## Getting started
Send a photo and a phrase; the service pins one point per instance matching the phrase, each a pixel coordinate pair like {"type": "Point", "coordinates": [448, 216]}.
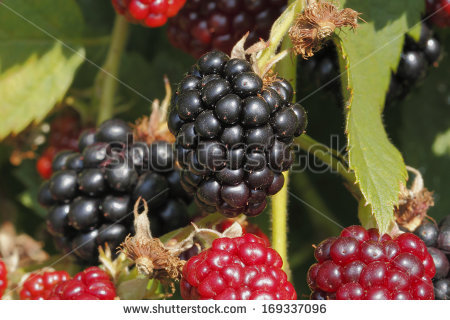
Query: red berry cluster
{"type": "Point", "coordinates": [64, 132]}
{"type": "Point", "coordinates": [361, 265]}
{"type": "Point", "coordinates": [242, 268]}
{"type": "Point", "coordinates": [3, 278]}
{"type": "Point", "coordinates": [39, 285]}
{"type": "Point", "coordinates": [439, 12]}
{"type": "Point", "coordinates": [204, 25]}
{"type": "Point", "coordinates": [90, 284]}
{"type": "Point", "coordinates": [247, 227]}
{"type": "Point", "coordinates": [150, 13]}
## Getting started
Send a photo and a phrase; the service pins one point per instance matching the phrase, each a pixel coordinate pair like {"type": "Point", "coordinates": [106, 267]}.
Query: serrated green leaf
{"type": "Point", "coordinates": [38, 58]}
{"type": "Point", "coordinates": [368, 56]}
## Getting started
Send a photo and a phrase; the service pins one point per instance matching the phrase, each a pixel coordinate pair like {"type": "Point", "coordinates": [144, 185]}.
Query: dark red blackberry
{"type": "Point", "coordinates": [439, 12]}
{"type": "Point", "coordinates": [233, 135]}
{"type": "Point", "coordinates": [361, 265]}
{"type": "Point", "coordinates": [91, 195]}
{"type": "Point", "coordinates": [204, 25]}
{"type": "Point", "coordinates": [3, 278]}
{"type": "Point", "coordinates": [437, 239]}
{"type": "Point", "coordinates": [64, 131]}
{"type": "Point", "coordinates": [150, 13]}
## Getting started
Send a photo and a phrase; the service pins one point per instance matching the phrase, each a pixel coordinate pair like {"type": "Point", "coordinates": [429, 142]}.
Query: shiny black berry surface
{"type": "Point", "coordinates": [233, 134]}
{"type": "Point", "coordinates": [437, 239]}
{"type": "Point", "coordinates": [90, 196]}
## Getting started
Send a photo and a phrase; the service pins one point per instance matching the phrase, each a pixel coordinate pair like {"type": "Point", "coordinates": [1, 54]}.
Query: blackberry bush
{"type": "Point", "coordinates": [91, 194]}
{"type": "Point", "coordinates": [150, 13]}
{"type": "Point", "coordinates": [437, 239]}
{"type": "Point", "coordinates": [242, 268]}
{"type": "Point", "coordinates": [362, 265]}
{"type": "Point", "coordinates": [204, 25]}
{"type": "Point", "coordinates": [234, 134]}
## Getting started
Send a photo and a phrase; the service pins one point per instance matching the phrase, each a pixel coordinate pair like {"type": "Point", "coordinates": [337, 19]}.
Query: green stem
{"type": "Point", "coordinates": [279, 30]}
{"type": "Point", "coordinates": [108, 76]}
{"type": "Point", "coordinates": [327, 156]}
{"type": "Point", "coordinates": [287, 68]}
{"type": "Point", "coordinates": [279, 222]}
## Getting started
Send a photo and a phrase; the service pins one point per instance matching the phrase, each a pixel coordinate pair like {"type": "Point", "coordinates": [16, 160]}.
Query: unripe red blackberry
{"type": "Point", "coordinates": [233, 135]}
{"type": "Point", "coordinates": [92, 192]}
{"type": "Point", "coordinates": [90, 284]}
{"type": "Point", "coordinates": [362, 265]}
{"type": "Point", "coordinates": [204, 25]}
{"type": "Point", "coordinates": [65, 129]}
{"type": "Point", "coordinates": [242, 268]}
{"type": "Point", "coordinates": [3, 278]}
{"type": "Point", "coordinates": [150, 13]}
{"type": "Point", "coordinates": [39, 285]}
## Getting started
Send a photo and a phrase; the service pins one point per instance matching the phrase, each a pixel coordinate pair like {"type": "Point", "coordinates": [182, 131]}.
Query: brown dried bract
{"type": "Point", "coordinates": [149, 254]}
{"type": "Point", "coordinates": [19, 250]}
{"type": "Point", "coordinates": [413, 203]}
{"type": "Point", "coordinates": [154, 128]}
{"type": "Point", "coordinates": [318, 21]}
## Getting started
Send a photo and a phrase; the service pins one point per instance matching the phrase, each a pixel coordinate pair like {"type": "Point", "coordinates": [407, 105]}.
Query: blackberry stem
{"type": "Point", "coordinates": [330, 157]}
{"type": "Point", "coordinates": [107, 79]}
{"type": "Point", "coordinates": [286, 68]}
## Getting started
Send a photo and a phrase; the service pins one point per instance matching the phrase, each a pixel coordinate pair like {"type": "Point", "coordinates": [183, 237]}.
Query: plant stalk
{"type": "Point", "coordinates": [332, 159]}
{"type": "Point", "coordinates": [286, 68]}
{"type": "Point", "coordinates": [108, 80]}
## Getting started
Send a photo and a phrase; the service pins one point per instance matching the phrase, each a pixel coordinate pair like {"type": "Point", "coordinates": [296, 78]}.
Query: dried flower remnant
{"type": "Point", "coordinates": [317, 22]}
{"type": "Point", "coordinates": [149, 254]}
{"type": "Point", "coordinates": [154, 128]}
{"type": "Point", "coordinates": [413, 203]}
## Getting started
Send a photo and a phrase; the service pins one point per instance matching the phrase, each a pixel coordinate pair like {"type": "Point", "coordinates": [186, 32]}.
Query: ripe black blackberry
{"type": "Point", "coordinates": [233, 135]}
{"type": "Point", "coordinates": [91, 194]}
{"type": "Point", "coordinates": [414, 62]}
{"type": "Point", "coordinates": [204, 25]}
{"type": "Point", "coordinates": [437, 239]}
{"type": "Point", "coordinates": [322, 70]}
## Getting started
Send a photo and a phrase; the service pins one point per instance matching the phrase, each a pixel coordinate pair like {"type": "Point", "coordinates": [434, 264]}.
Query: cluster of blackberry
{"type": "Point", "coordinates": [361, 264]}
{"type": "Point", "coordinates": [204, 25]}
{"type": "Point", "coordinates": [234, 135]}
{"type": "Point", "coordinates": [91, 194]}
{"type": "Point", "coordinates": [322, 70]}
{"type": "Point", "coordinates": [414, 62]}
{"type": "Point", "coordinates": [437, 240]}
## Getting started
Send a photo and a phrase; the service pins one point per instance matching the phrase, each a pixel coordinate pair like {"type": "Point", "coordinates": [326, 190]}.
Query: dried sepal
{"type": "Point", "coordinates": [154, 127]}
{"type": "Point", "coordinates": [149, 254]}
{"type": "Point", "coordinates": [114, 266]}
{"type": "Point", "coordinates": [318, 21]}
{"type": "Point", "coordinates": [413, 203]}
{"type": "Point", "coordinates": [21, 250]}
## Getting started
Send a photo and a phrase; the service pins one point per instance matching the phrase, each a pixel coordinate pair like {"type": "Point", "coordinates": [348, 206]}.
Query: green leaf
{"type": "Point", "coordinates": [38, 58]}
{"type": "Point", "coordinates": [367, 57]}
